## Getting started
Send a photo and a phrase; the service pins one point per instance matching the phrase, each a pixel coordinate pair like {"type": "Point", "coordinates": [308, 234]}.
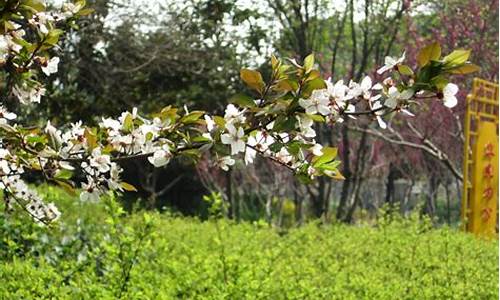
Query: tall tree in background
{"type": "Point", "coordinates": [436, 134]}
{"type": "Point", "coordinates": [182, 56]}
{"type": "Point", "coordinates": [348, 37]}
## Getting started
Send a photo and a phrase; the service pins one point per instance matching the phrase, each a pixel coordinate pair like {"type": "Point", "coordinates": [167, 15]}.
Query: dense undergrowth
{"type": "Point", "coordinates": [98, 252]}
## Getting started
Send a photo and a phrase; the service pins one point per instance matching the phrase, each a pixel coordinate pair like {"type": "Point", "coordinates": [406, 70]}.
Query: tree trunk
{"type": "Point", "coordinates": [346, 171]}
{"type": "Point", "coordinates": [229, 193]}
{"type": "Point", "coordinates": [389, 188]}
{"type": "Point", "coordinates": [298, 205]}
{"type": "Point", "coordinates": [430, 206]}
{"type": "Point", "coordinates": [404, 205]}
{"type": "Point", "coordinates": [358, 176]}
{"type": "Point", "coordinates": [448, 202]}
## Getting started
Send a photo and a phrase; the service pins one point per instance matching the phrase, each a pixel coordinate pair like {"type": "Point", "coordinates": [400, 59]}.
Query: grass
{"type": "Point", "coordinates": [98, 252]}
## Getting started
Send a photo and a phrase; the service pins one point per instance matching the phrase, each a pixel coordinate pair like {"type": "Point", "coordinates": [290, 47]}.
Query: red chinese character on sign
{"type": "Point", "coordinates": [488, 193]}
{"type": "Point", "coordinates": [486, 214]}
{"type": "Point", "coordinates": [488, 171]}
{"type": "Point", "coordinates": [489, 150]}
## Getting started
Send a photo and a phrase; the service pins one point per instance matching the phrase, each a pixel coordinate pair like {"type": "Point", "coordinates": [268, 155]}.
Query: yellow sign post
{"type": "Point", "coordinates": [480, 196]}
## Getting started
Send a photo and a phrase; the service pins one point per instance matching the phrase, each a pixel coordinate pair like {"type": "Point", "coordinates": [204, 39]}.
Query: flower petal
{"type": "Point", "coordinates": [450, 101]}
{"type": "Point", "coordinates": [450, 89]}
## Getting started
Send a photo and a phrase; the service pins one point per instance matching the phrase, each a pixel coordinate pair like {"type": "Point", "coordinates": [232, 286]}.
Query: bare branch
{"type": "Point", "coordinates": [427, 146]}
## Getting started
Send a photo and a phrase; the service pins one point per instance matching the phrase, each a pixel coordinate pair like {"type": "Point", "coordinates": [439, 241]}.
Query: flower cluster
{"type": "Point", "coordinates": [28, 30]}
{"type": "Point", "coordinates": [278, 122]}
{"type": "Point", "coordinates": [17, 191]}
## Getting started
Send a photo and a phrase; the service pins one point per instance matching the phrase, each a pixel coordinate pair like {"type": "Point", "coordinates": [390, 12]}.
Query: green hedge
{"type": "Point", "coordinates": [105, 254]}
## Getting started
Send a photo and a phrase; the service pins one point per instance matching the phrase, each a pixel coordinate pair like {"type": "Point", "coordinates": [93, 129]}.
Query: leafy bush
{"type": "Point", "coordinates": [98, 252]}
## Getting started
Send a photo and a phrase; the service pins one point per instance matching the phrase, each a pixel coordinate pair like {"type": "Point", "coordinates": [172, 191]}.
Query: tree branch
{"type": "Point", "coordinates": [427, 146]}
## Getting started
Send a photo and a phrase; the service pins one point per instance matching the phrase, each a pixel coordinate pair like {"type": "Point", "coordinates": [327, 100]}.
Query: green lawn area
{"type": "Point", "coordinates": [96, 252]}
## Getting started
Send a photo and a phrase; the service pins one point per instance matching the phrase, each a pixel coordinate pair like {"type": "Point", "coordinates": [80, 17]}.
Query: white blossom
{"type": "Point", "coordinates": [233, 115]}
{"type": "Point", "coordinates": [41, 20]}
{"type": "Point", "coordinates": [284, 156]}
{"type": "Point", "coordinates": [390, 63]}
{"type": "Point", "coordinates": [6, 116]}
{"type": "Point", "coordinates": [364, 88]}
{"type": "Point", "coordinates": [339, 92]}
{"type": "Point", "coordinates": [394, 96]}
{"type": "Point", "coordinates": [250, 154]}
{"type": "Point", "coordinates": [378, 112]}
{"type": "Point", "coordinates": [110, 123]}
{"type": "Point", "coordinates": [317, 149]}
{"type": "Point", "coordinates": [317, 103]}
{"type": "Point", "coordinates": [35, 209]}
{"type": "Point", "coordinates": [258, 142]}
{"type": "Point", "coordinates": [26, 94]}
{"type": "Point", "coordinates": [233, 137]}
{"type": "Point", "coordinates": [51, 66]}
{"type": "Point", "coordinates": [90, 193]}
{"type": "Point", "coordinates": [449, 92]}
{"type": "Point", "coordinates": [100, 162]}
{"type": "Point", "coordinates": [69, 9]}
{"type": "Point", "coordinates": [305, 125]}
{"type": "Point", "coordinates": [4, 46]}
{"type": "Point", "coordinates": [225, 162]}
{"type": "Point", "coordinates": [161, 157]}
{"type": "Point", "coordinates": [114, 177]}
{"type": "Point", "coordinates": [52, 212]}
{"type": "Point", "coordinates": [209, 122]}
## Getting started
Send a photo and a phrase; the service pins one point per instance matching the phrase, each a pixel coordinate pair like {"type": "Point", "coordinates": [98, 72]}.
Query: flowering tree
{"type": "Point", "coordinates": [276, 122]}
{"type": "Point", "coordinates": [433, 140]}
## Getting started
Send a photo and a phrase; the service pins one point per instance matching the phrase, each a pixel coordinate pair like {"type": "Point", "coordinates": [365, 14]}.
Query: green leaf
{"type": "Point", "coordinates": [85, 12]}
{"type": "Point", "coordinates": [283, 123]}
{"type": "Point", "coordinates": [242, 100]}
{"type": "Point", "coordinates": [317, 118]}
{"type": "Point", "coordinates": [192, 153]}
{"type": "Point", "coordinates": [253, 79]}
{"type": "Point", "coordinates": [37, 5]}
{"type": "Point", "coordinates": [309, 63]}
{"type": "Point", "coordinates": [287, 85]}
{"type": "Point", "coordinates": [66, 185]}
{"type": "Point", "coordinates": [33, 139]}
{"type": "Point", "coordinates": [51, 38]}
{"type": "Point", "coordinates": [128, 123]}
{"type": "Point", "coordinates": [200, 139]}
{"type": "Point", "coordinates": [457, 57]}
{"type": "Point", "coordinates": [329, 154]}
{"type": "Point", "coordinates": [128, 187]}
{"type": "Point", "coordinates": [313, 75]}
{"type": "Point", "coordinates": [294, 147]}
{"type": "Point", "coordinates": [439, 81]}
{"type": "Point", "coordinates": [465, 69]}
{"type": "Point", "coordinates": [428, 53]}
{"type": "Point", "coordinates": [169, 114]}
{"type": "Point", "coordinates": [335, 175]}
{"type": "Point", "coordinates": [276, 147]}
{"type": "Point", "coordinates": [192, 117]}
{"type": "Point", "coordinates": [220, 121]}
{"type": "Point", "coordinates": [63, 174]}
{"type": "Point", "coordinates": [310, 86]}
{"type": "Point", "coordinates": [274, 62]}
{"type": "Point", "coordinates": [405, 70]}
{"type": "Point", "coordinates": [90, 138]}
{"type": "Point", "coordinates": [54, 141]}
{"type": "Point", "coordinates": [304, 178]}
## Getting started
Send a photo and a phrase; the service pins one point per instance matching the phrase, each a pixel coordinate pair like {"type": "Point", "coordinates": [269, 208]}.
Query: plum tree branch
{"type": "Point", "coordinates": [426, 146]}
